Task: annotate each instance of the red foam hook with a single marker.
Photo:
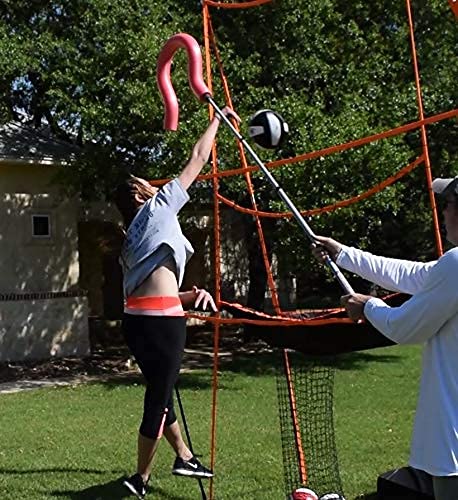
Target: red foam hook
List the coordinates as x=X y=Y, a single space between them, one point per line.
x=196 y=82
x=454 y=6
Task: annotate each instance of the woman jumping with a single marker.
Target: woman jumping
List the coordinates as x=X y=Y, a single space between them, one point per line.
x=153 y=258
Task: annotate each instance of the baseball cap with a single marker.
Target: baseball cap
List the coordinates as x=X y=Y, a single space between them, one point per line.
x=443 y=186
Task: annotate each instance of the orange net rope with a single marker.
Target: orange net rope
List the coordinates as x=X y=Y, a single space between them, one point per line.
x=281 y=318
x=326 y=318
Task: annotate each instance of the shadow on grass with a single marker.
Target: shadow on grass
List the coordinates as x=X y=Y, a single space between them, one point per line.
x=112 y=490
x=250 y=364
x=359 y=360
x=269 y=362
x=187 y=381
x=265 y=362
x=66 y=470
x=369 y=496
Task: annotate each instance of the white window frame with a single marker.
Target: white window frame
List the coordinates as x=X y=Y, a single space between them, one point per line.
x=42 y=236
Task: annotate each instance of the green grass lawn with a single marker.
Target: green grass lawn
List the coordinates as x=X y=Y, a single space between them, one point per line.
x=76 y=443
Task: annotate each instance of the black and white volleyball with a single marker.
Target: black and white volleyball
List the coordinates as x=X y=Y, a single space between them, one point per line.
x=267 y=129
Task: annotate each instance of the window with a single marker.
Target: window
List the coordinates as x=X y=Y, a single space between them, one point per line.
x=41 y=226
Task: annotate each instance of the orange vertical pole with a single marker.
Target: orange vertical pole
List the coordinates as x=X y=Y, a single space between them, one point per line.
x=217 y=256
x=424 y=138
x=293 y=407
x=270 y=280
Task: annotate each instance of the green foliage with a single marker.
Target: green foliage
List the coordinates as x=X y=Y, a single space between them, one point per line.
x=89 y=69
x=336 y=70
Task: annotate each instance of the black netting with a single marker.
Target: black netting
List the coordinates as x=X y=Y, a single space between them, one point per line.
x=310 y=383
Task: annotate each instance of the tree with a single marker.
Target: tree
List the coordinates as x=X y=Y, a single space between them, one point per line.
x=88 y=69
x=339 y=71
x=335 y=70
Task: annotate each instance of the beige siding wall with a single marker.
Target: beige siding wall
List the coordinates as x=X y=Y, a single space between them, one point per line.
x=41 y=313
x=35 y=264
x=43 y=328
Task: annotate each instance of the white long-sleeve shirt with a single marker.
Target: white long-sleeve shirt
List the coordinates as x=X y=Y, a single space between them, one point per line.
x=429 y=317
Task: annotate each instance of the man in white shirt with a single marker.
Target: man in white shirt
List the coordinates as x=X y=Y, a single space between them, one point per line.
x=429 y=317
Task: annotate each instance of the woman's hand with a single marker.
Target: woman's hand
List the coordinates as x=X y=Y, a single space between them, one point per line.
x=202 y=149
x=324 y=247
x=203 y=297
x=229 y=113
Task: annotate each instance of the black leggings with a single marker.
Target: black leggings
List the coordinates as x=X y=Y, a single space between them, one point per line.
x=157 y=343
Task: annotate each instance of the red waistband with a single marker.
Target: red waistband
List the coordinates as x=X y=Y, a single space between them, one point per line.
x=153 y=303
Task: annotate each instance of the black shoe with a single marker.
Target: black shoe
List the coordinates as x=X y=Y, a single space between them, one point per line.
x=190 y=468
x=135 y=485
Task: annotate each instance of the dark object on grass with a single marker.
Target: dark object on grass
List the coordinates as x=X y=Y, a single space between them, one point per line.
x=406 y=483
x=320 y=334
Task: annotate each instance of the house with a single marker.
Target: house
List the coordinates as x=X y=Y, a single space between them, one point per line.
x=43 y=309
x=60 y=281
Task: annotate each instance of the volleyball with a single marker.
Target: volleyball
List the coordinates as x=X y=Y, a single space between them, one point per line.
x=303 y=494
x=331 y=496
x=267 y=129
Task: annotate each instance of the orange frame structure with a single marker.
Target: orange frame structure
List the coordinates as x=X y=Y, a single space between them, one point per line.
x=211 y=48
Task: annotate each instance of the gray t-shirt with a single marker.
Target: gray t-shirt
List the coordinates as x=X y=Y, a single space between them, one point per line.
x=154 y=236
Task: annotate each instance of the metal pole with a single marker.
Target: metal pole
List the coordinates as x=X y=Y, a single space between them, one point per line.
x=188 y=437
x=281 y=193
